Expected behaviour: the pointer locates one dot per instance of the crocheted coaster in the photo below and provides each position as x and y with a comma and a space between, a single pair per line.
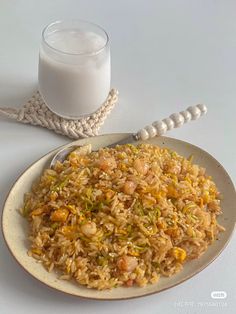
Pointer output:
36, 112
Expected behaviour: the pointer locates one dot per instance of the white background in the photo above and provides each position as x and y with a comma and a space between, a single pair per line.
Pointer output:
166, 55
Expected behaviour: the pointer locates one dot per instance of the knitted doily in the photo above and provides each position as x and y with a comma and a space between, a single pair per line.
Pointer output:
36, 112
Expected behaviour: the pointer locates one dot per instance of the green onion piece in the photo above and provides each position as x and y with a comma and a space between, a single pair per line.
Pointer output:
129, 228
156, 264
157, 211
25, 210
102, 261
60, 186
55, 225
89, 192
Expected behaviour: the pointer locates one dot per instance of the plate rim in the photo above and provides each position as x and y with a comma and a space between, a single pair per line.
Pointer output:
105, 298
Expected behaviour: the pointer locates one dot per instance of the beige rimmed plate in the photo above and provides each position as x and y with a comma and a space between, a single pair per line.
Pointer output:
15, 226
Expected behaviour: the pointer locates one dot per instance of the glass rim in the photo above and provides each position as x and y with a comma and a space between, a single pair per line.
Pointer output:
92, 53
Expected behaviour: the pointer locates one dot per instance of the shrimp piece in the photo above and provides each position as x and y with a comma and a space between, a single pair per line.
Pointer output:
141, 166
127, 263
108, 163
129, 187
89, 229
173, 167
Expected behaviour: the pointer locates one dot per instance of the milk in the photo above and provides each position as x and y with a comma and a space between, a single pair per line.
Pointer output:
74, 72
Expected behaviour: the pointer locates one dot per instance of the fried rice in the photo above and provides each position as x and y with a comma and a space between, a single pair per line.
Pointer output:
121, 216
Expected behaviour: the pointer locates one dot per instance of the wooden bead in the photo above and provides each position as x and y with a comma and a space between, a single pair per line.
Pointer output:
178, 119
174, 121
151, 131
160, 127
187, 116
143, 135
169, 123
195, 112
203, 108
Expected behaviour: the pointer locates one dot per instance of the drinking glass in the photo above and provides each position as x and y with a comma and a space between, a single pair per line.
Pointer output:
74, 70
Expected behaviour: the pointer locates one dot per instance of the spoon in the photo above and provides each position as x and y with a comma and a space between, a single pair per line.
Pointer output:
157, 128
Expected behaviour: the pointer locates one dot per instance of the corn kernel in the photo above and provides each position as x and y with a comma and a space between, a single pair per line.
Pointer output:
133, 253
53, 196
172, 192
206, 197
36, 251
68, 231
179, 254
60, 215
72, 209
109, 194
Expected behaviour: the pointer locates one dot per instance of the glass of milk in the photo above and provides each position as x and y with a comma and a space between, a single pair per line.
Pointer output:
74, 68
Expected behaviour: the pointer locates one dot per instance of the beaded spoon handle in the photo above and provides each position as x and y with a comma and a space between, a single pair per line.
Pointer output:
157, 128
175, 120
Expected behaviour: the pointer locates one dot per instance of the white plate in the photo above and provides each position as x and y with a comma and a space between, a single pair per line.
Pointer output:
15, 226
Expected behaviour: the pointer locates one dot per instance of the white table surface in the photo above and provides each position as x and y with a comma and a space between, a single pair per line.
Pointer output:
166, 55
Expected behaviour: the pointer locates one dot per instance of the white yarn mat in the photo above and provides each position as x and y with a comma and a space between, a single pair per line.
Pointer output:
37, 113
